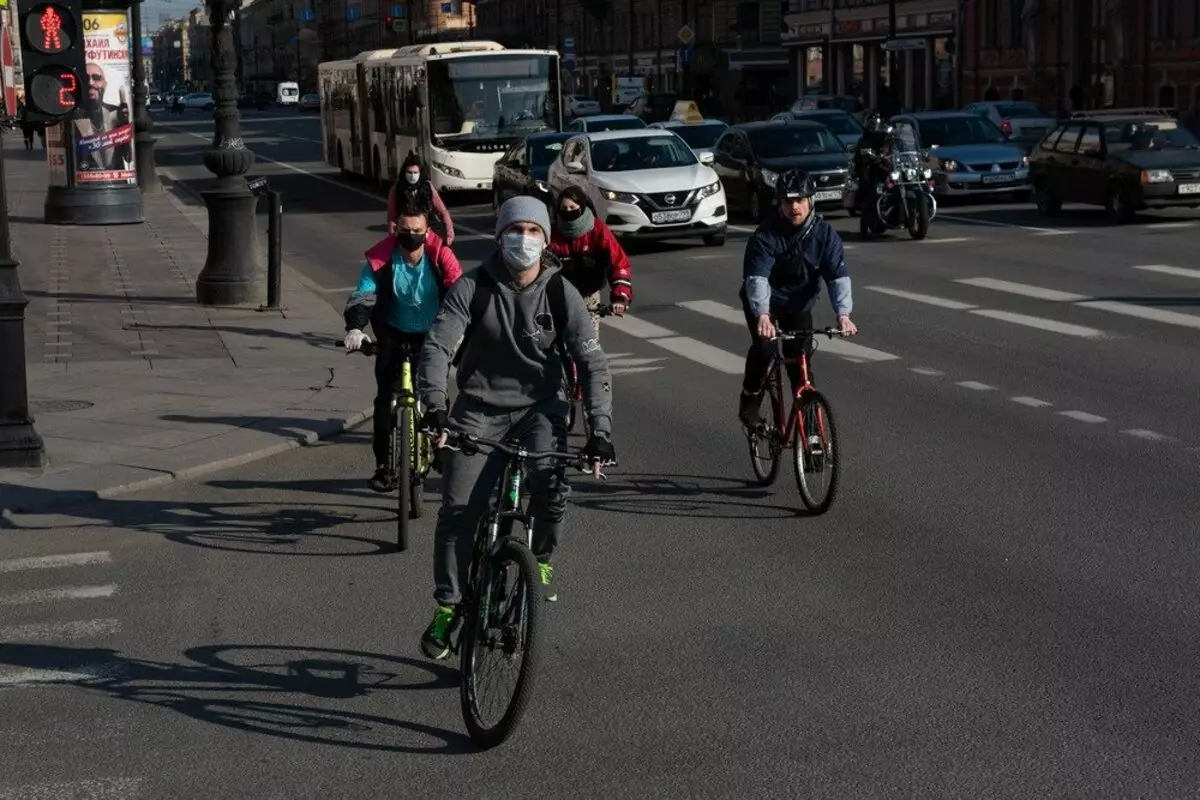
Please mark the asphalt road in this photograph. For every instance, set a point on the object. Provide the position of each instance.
(1002, 602)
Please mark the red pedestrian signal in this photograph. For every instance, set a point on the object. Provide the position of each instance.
(49, 29)
(54, 60)
(387, 22)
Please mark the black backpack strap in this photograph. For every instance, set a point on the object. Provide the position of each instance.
(556, 293)
(479, 303)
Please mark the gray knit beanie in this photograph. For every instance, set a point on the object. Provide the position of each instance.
(523, 208)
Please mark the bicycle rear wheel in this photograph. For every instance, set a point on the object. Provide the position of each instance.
(502, 627)
(417, 467)
(403, 459)
(764, 442)
(816, 456)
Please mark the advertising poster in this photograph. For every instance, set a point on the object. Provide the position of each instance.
(56, 154)
(104, 123)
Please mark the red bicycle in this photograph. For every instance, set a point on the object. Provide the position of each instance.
(808, 429)
(574, 389)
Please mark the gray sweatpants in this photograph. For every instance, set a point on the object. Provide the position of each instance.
(469, 485)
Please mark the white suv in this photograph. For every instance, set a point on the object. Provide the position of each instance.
(645, 184)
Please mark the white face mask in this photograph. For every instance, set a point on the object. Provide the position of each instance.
(521, 252)
(412, 177)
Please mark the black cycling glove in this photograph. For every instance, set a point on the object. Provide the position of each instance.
(599, 447)
(434, 421)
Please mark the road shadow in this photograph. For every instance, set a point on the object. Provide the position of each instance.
(209, 687)
(667, 495)
(252, 527)
(322, 341)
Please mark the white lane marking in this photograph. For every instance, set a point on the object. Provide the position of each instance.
(1083, 416)
(995, 224)
(1168, 270)
(51, 562)
(706, 354)
(955, 240)
(975, 386)
(624, 361)
(706, 256)
(1042, 323)
(47, 632)
(1150, 436)
(1032, 402)
(614, 371)
(838, 347)
(1167, 226)
(91, 789)
(65, 593)
(25, 677)
(928, 299)
(926, 371)
(637, 328)
(1145, 312)
(1023, 289)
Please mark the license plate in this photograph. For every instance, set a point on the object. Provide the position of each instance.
(1189, 188)
(821, 197)
(1005, 178)
(659, 217)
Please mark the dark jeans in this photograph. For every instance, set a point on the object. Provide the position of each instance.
(758, 357)
(469, 485)
(393, 347)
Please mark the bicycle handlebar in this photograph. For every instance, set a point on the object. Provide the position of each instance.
(787, 336)
(369, 348)
(469, 444)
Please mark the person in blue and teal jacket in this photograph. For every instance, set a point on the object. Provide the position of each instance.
(399, 293)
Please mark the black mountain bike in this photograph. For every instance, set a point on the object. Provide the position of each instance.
(500, 612)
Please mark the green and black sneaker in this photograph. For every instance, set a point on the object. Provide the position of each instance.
(435, 642)
(547, 571)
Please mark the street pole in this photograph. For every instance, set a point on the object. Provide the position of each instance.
(686, 78)
(891, 58)
(20, 445)
(143, 142)
(230, 276)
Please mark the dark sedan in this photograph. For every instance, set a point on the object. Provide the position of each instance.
(523, 167)
(749, 158)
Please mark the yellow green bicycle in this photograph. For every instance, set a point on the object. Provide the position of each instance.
(416, 452)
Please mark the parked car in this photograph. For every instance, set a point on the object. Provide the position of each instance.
(310, 102)
(1020, 120)
(524, 168)
(700, 136)
(1126, 160)
(969, 155)
(750, 157)
(844, 126)
(579, 105)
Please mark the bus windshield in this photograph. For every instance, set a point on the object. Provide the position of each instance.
(493, 96)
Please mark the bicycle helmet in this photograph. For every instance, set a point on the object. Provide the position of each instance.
(873, 122)
(794, 183)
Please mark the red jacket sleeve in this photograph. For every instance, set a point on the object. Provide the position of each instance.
(451, 269)
(620, 275)
(439, 208)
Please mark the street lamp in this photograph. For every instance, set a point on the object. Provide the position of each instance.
(143, 141)
(230, 275)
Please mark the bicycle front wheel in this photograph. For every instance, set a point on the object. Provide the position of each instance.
(502, 634)
(815, 453)
(417, 467)
(764, 442)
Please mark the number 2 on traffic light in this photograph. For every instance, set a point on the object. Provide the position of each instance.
(70, 86)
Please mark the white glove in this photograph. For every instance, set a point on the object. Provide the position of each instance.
(354, 340)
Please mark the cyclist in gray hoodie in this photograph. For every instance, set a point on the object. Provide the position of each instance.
(510, 385)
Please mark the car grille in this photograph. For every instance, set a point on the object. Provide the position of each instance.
(829, 180)
(1183, 175)
(669, 201)
(987, 165)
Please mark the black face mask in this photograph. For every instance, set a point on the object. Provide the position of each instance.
(410, 241)
(570, 216)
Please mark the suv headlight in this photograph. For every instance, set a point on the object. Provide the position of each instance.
(1157, 176)
(948, 164)
(708, 191)
(769, 178)
(618, 197)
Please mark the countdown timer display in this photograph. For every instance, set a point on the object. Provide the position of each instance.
(54, 90)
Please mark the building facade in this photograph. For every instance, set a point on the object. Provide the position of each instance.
(850, 36)
(170, 66)
(1072, 54)
(733, 53)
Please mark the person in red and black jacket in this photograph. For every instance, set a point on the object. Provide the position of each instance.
(591, 256)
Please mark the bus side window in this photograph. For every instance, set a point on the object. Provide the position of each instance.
(408, 104)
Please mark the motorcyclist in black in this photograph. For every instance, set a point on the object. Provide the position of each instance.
(874, 138)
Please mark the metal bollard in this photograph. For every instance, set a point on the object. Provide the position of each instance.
(274, 248)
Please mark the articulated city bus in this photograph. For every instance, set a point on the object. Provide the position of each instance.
(459, 105)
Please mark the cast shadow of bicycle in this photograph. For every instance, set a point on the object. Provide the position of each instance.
(665, 495)
(214, 689)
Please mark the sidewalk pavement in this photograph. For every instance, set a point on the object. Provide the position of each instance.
(131, 383)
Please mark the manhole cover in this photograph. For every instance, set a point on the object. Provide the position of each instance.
(57, 406)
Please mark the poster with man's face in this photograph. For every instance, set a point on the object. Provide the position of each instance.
(104, 123)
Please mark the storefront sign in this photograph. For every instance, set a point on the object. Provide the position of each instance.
(104, 124)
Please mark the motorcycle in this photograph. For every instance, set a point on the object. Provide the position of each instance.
(900, 194)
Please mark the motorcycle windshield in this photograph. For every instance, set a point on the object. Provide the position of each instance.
(903, 139)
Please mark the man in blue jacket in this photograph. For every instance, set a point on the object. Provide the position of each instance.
(786, 260)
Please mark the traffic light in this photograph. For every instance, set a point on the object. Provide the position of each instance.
(52, 54)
